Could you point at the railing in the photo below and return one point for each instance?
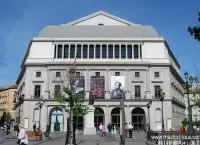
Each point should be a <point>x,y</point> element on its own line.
<point>173,138</point>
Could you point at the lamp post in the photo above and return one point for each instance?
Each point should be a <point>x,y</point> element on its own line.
<point>161,99</point>
<point>21,100</point>
<point>148,107</point>
<point>187,86</point>
<point>40,105</point>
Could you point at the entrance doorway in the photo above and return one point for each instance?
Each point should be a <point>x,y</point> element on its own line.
<point>98,117</point>
<point>57,119</point>
<point>138,119</point>
<point>115,117</point>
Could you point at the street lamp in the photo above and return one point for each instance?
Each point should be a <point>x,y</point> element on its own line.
<point>148,107</point>
<point>161,99</point>
<point>188,84</point>
<point>40,105</point>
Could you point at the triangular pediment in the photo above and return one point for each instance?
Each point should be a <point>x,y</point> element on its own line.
<point>101,18</point>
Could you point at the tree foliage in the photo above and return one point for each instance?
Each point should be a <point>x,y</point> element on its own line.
<point>8,117</point>
<point>75,101</point>
<point>184,122</point>
<point>195,30</point>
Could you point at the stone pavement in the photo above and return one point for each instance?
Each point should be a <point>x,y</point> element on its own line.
<point>138,139</point>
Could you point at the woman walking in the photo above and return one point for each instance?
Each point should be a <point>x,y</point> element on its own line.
<point>22,136</point>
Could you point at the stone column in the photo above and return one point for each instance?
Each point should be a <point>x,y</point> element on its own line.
<point>89,128</point>
<point>87,84</point>
<point>107,115</point>
<point>107,84</point>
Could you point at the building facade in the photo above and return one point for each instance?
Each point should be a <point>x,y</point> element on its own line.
<point>113,58</point>
<point>7,103</point>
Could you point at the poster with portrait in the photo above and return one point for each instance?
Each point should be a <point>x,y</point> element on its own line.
<point>117,87</point>
<point>97,89</point>
<point>78,85</point>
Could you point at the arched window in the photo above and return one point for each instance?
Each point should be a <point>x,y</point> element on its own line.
<point>115,117</point>
<point>138,118</point>
<point>158,115</point>
<point>57,119</point>
<point>98,117</point>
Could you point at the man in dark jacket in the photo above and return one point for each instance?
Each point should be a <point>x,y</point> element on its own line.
<point>109,127</point>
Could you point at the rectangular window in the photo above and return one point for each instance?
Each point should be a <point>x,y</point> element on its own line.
<point>157,90</point>
<point>137,91</point>
<point>117,73</point>
<point>66,51</point>
<point>123,51</point>
<point>97,52</point>
<point>85,51</point>
<point>38,74</point>
<point>57,74</point>
<point>78,52</point>
<point>116,51</point>
<point>136,52</point>
<point>59,54</point>
<point>129,51</point>
<point>37,91</point>
<point>156,74</point>
<point>72,51</point>
<point>110,51</point>
<point>55,50</point>
<point>78,74</point>
<point>137,74</point>
<point>91,51</point>
<point>97,74</point>
<point>57,91</point>
<point>104,51</point>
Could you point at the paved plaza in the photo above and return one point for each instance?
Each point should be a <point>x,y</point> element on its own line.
<point>138,139</point>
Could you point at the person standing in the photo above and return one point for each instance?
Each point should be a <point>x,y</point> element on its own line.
<point>130,129</point>
<point>22,136</point>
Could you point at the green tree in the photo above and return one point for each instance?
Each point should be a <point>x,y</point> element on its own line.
<point>195,30</point>
<point>75,103</point>
<point>184,122</point>
<point>8,117</point>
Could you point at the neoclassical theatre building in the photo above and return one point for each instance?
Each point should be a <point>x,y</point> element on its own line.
<point>113,58</point>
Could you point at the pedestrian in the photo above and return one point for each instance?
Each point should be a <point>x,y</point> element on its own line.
<point>100,129</point>
<point>103,130</point>
<point>109,127</point>
<point>130,128</point>
<point>16,129</point>
<point>22,136</point>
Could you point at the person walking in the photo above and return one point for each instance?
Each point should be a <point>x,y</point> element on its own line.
<point>22,136</point>
<point>130,129</point>
<point>16,129</point>
<point>109,127</point>
<point>100,129</point>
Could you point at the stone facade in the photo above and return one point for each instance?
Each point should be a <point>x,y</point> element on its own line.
<point>142,62</point>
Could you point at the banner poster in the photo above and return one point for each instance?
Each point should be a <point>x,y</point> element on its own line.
<point>78,85</point>
<point>97,89</point>
<point>117,87</point>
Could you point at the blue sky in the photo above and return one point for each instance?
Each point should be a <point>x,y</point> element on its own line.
<point>21,20</point>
